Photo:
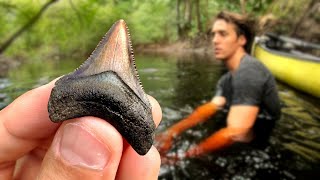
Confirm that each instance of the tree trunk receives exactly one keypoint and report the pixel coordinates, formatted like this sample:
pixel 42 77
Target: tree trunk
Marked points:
pixel 207 14
pixel 186 26
pixel 199 25
pixel 301 20
pixel 34 19
pixel 243 6
pixel 178 18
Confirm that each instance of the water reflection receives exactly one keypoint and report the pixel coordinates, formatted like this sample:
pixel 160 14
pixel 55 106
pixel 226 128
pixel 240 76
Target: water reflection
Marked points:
pixel 180 85
pixel 301 125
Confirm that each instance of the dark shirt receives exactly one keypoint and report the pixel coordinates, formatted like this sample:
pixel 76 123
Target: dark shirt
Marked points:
pixel 253 84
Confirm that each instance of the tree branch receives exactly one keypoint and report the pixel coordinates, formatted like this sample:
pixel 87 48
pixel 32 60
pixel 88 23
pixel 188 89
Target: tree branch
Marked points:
pixel 34 19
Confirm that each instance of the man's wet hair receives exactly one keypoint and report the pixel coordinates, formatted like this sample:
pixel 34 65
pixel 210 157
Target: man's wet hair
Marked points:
pixel 244 26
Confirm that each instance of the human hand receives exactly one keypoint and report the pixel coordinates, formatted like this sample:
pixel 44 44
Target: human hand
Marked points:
pixel 192 152
pixel 32 147
pixel 164 141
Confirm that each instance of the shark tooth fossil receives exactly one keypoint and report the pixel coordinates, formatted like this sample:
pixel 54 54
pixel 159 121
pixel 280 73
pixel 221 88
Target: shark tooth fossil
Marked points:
pixel 107 86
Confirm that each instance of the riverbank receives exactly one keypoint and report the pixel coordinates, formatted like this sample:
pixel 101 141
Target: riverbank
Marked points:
pixel 7 63
pixel 177 49
pixel 180 48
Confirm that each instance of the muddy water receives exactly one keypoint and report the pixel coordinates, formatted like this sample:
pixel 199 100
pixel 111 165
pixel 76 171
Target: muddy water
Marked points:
pixel 180 85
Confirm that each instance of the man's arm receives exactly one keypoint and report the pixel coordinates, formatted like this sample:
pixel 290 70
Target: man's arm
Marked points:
pixel 200 114
pixel 239 123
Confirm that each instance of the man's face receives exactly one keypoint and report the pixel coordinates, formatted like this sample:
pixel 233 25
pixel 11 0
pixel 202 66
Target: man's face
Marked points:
pixel 225 40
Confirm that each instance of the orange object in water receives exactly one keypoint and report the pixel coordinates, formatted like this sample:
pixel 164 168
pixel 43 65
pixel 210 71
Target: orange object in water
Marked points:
pixel 202 113
pixel 217 141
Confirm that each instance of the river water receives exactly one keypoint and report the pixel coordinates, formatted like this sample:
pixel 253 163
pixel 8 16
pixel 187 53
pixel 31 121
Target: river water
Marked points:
pixel 180 85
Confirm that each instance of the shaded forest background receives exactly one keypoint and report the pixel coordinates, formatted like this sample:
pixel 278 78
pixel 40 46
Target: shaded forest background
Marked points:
pixel 55 29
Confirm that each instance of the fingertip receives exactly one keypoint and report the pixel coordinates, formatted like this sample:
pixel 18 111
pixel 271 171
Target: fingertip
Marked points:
pixel 156 110
pixel 134 166
pixel 155 155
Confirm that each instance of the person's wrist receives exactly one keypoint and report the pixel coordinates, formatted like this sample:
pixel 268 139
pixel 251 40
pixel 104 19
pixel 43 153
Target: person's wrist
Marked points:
pixel 172 133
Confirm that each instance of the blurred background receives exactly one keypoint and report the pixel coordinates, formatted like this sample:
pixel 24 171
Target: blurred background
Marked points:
pixel 43 39
pixel 31 30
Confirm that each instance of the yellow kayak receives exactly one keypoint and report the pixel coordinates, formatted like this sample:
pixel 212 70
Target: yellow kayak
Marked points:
pixel 299 70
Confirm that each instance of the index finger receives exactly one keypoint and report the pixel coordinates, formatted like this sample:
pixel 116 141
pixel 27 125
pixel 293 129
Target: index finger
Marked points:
pixel 27 116
pixel 24 122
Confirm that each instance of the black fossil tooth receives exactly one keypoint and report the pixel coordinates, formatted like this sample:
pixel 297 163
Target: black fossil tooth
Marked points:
pixel 107 86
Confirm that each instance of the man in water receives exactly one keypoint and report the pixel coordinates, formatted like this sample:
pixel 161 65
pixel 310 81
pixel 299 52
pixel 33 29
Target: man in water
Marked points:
pixel 247 90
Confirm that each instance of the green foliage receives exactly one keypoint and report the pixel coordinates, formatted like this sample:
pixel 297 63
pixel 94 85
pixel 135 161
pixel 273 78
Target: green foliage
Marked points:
pixel 258 7
pixel 297 18
pixel 151 21
pixel 72 28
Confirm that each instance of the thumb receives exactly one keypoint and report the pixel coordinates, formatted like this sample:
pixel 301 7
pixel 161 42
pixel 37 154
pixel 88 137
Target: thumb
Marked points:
pixel 87 148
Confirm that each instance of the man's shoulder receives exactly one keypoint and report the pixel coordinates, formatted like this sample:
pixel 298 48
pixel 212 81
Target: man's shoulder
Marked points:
pixel 251 72
pixel 250 60
pixel 225 77
pixel 254 65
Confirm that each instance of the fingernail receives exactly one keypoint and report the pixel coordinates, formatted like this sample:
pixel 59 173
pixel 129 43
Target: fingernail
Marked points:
pixel 80 147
